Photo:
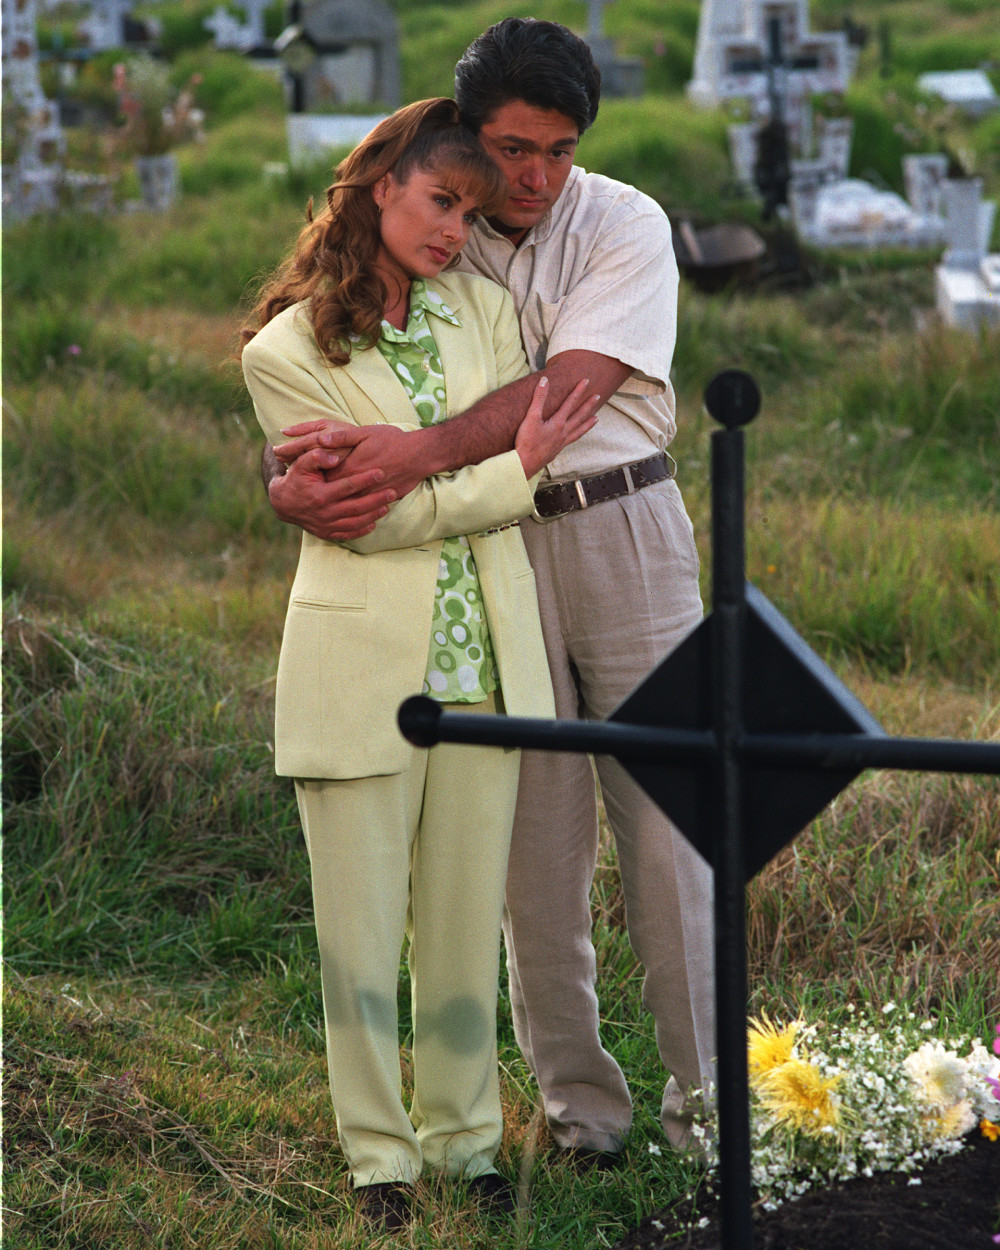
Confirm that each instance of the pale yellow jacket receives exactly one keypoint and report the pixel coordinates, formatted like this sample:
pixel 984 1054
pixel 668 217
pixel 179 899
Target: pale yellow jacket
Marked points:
pixel 357 632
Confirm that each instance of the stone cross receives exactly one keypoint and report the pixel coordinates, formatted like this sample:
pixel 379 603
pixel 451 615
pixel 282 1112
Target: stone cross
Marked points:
pixel 230 32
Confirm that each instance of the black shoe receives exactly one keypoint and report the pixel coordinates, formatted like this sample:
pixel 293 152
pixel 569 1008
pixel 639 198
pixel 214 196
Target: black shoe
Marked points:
pixel 493 1195
pixel 385 1206
pixel 582 1160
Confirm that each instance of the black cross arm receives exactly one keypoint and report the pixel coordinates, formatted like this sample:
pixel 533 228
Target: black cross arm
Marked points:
pixel 424 723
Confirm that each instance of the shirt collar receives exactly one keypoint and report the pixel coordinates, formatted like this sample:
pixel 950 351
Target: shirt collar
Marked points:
pixel 541 230
pixel 423 300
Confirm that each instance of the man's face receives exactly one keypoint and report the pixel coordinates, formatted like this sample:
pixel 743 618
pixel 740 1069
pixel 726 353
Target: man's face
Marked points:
pixel 534 147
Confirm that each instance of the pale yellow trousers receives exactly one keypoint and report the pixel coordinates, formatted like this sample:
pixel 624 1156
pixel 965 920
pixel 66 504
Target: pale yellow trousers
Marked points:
pixel 423 854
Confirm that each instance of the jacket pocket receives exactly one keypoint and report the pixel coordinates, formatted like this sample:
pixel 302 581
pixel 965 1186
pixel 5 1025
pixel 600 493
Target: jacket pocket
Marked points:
pixel 332 585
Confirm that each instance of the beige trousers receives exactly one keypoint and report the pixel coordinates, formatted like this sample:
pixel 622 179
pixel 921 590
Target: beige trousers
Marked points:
pixel 618 589
pixel 422 853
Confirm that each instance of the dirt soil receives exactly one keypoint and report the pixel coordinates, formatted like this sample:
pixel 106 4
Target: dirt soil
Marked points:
pixel 955 1207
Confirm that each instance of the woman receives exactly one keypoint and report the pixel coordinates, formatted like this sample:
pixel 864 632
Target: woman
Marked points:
pixel 361 325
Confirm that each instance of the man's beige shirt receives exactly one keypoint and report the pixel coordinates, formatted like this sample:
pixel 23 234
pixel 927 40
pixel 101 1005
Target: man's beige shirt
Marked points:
pixel 597 273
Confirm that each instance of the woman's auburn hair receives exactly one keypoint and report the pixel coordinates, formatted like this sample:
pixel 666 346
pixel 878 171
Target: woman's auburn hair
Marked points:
pixel 332 266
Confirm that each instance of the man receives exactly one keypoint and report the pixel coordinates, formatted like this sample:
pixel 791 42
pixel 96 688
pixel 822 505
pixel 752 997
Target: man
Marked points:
pixel 591 269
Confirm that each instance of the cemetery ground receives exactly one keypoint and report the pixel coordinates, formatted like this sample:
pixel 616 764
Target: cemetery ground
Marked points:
pixel 165 1079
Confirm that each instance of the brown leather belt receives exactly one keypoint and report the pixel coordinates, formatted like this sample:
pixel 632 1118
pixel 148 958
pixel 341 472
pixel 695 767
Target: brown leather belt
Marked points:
pixel 556 499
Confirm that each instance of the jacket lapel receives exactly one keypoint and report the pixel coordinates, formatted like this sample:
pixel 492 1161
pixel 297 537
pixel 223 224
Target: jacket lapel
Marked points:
pixel 370 372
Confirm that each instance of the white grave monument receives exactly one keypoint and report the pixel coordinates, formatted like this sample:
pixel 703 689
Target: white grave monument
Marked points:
pixel 104 27
pixel 32 178
pixel 733 49
pixel 338 52
pixel 967 282
pixel 232 34
pixel 967 89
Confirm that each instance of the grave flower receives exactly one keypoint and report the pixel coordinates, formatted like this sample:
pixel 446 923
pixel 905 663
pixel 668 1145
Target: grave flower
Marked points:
pixel 797 1093
pixel 156 116
pixel 830 1102
pixel 767 1046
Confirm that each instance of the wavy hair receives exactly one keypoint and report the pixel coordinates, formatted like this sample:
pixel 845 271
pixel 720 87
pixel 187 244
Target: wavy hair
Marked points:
pixel 332 266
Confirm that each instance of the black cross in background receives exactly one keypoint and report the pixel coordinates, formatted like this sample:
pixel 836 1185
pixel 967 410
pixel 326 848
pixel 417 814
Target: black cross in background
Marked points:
pixel 742 735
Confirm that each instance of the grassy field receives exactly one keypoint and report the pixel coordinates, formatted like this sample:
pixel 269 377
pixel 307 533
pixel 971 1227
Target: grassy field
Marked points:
pixel 165 1081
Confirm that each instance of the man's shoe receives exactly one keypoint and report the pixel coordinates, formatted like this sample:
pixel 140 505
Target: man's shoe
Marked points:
pixel 582 1160
pixel 493 1194
pixel 384 1206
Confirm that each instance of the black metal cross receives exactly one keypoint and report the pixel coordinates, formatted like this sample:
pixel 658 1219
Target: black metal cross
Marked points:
pixel 742 735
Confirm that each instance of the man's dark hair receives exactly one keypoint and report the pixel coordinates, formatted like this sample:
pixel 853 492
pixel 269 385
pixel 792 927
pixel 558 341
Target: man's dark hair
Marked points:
pixel 521 58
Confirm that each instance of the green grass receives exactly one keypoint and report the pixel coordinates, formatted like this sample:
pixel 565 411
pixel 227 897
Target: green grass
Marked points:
pixel 165 1078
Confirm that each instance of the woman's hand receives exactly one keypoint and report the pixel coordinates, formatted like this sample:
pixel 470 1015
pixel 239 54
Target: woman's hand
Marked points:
pixel 538 441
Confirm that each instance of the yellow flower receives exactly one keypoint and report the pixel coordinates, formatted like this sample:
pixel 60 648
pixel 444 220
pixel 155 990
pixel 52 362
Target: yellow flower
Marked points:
pixel 798 1093
pixel 989 1130
pixel 768 1046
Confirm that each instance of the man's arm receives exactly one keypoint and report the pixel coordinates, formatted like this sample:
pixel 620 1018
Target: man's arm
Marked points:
pixel 407 458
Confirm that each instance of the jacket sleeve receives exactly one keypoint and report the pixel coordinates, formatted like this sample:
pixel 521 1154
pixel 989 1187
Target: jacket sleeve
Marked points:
pixel 476 498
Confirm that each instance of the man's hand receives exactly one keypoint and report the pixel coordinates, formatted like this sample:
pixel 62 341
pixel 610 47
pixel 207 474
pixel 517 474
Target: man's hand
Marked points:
pixel 398 454
pixel 337 511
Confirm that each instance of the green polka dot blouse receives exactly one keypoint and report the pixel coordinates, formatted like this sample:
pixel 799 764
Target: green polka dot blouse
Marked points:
pixel 461 667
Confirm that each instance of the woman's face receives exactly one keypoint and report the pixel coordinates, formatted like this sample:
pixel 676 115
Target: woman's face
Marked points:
pixel 423 223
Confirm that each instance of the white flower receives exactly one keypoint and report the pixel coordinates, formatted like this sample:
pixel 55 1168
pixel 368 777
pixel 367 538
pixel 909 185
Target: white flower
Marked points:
pixel 938 1075
pixel 653 1148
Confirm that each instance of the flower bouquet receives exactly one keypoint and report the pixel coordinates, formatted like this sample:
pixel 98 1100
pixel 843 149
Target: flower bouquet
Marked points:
pixel 828 1103
pixel 156 119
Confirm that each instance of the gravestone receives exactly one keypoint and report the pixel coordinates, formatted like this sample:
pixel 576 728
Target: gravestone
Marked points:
pixel 967 281
pixel 967 89
pixel 732 53
pixel 341 53
pixel 104 27
pixel 620 76
pixel 762 55
pixel 338 56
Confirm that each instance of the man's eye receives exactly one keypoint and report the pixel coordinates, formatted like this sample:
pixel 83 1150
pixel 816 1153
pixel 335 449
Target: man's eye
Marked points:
pixel 471 218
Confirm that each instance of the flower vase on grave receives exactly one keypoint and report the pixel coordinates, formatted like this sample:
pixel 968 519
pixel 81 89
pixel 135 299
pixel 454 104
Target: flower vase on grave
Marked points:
pixel 158 180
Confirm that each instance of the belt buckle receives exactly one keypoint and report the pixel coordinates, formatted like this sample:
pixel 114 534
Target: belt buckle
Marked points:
pixel 545 520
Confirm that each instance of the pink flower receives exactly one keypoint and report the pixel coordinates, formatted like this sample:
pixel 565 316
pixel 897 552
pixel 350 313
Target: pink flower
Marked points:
pixel 74 349
pixel 996 1042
